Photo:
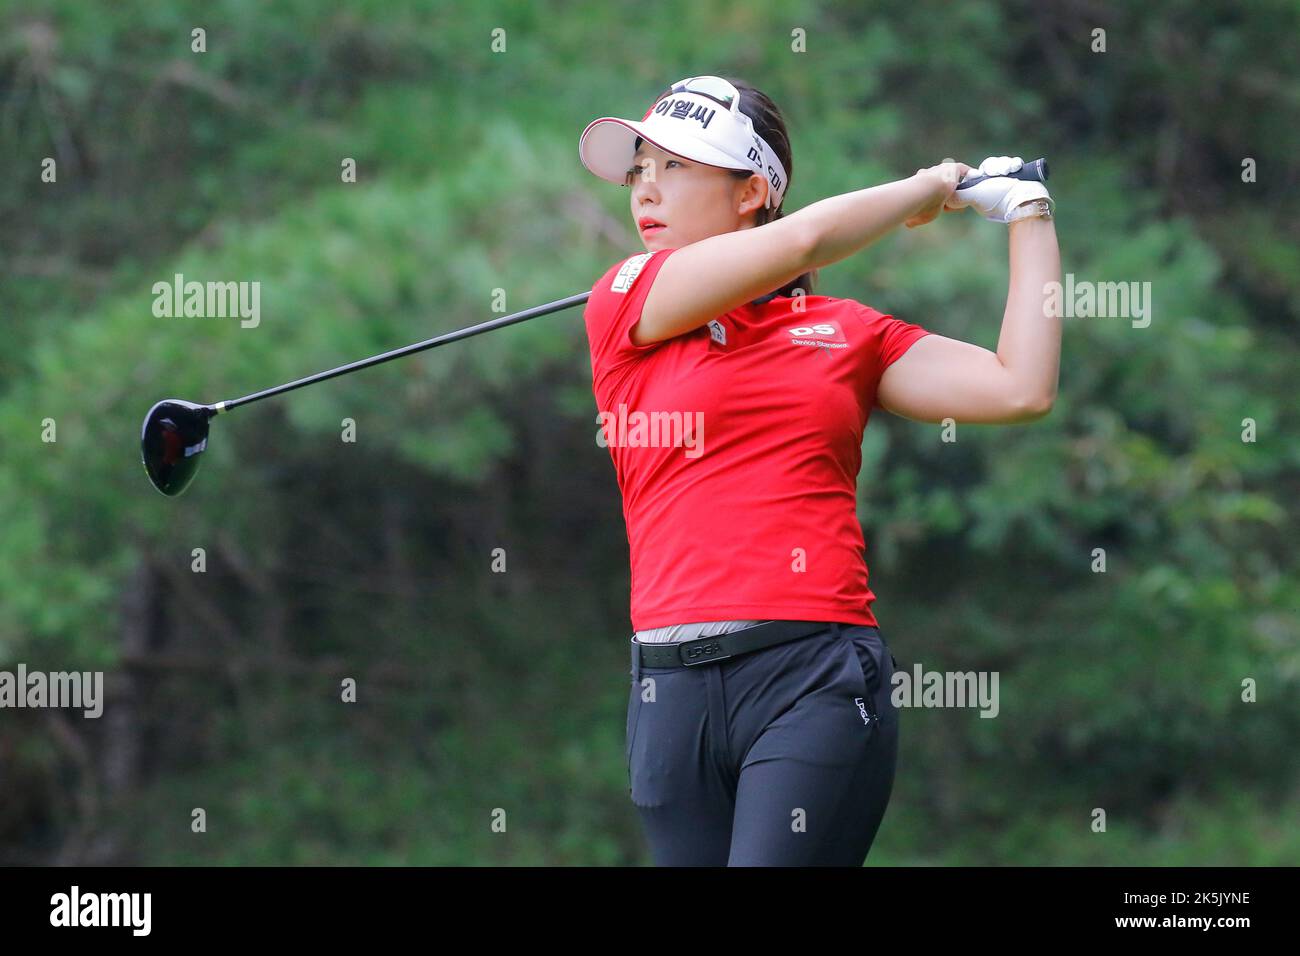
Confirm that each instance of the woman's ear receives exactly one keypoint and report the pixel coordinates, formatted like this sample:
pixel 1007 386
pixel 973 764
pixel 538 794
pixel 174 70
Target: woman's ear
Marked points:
pixel 754 194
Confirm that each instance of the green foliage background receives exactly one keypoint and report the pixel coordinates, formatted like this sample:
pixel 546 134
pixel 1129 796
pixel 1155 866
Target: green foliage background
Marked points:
pixel 371 560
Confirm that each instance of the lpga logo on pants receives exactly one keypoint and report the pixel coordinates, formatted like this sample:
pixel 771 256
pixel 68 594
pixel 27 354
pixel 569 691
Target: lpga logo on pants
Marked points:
pixel 651 430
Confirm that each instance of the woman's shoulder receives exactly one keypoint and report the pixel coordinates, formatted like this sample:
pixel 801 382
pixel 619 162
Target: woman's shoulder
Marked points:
pixel 821 303
pixel 620 276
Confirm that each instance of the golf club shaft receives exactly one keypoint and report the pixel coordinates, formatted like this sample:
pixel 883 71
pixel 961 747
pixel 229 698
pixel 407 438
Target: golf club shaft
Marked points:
pixel 556 306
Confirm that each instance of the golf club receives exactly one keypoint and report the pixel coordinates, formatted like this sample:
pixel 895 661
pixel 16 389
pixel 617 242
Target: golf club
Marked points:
pixel 175 432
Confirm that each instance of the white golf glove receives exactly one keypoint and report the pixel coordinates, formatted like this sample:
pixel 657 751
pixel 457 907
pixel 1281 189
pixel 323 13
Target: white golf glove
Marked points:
pixel 995 198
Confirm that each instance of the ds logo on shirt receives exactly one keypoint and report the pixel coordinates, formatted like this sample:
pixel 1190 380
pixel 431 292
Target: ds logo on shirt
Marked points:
pixel 817 335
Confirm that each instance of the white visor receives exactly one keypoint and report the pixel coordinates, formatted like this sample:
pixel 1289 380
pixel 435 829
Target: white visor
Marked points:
pixel 690 125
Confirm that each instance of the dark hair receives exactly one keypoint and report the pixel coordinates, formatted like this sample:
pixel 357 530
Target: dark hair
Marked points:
pixel 769 124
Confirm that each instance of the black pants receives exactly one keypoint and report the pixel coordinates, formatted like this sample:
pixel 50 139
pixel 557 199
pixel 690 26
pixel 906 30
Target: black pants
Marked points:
pixel 780 757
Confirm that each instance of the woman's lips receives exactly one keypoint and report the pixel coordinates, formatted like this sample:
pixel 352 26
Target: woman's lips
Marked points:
pixel 651 228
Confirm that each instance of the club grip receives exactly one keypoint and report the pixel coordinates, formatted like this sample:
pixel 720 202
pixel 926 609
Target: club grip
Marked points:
pixel 1035 171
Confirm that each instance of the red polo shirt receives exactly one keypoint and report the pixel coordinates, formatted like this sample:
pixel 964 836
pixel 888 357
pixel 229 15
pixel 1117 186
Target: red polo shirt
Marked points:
pixel 737 448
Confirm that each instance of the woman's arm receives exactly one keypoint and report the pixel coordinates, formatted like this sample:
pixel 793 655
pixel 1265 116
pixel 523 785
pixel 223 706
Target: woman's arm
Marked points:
pixel 940 378
pixel 747 263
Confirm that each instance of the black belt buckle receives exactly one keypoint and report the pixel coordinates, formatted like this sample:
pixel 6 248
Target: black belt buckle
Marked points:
pixel 702 650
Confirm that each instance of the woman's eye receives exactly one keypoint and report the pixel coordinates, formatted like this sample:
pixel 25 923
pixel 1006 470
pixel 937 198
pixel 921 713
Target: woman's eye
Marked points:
pixel 636 170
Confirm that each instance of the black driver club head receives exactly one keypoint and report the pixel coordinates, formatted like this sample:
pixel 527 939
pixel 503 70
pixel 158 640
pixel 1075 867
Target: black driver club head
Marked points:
pixel 174 434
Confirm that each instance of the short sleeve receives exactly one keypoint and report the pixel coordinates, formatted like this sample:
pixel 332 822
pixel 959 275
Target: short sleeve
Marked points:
pixel 891 339
pixel 896 338
pixel 615 306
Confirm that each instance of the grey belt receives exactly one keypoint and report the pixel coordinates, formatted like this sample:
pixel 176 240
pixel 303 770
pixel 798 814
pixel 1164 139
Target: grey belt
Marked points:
pixel 702 650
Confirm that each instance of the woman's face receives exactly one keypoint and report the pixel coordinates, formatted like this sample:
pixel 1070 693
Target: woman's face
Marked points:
pixel 692 200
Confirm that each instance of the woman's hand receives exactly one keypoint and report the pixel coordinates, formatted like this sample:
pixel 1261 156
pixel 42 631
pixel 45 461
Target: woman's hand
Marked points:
pixel 998 195
pixel 944 179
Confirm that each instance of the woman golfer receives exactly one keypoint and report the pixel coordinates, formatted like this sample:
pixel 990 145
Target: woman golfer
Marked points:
pixel 760 729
